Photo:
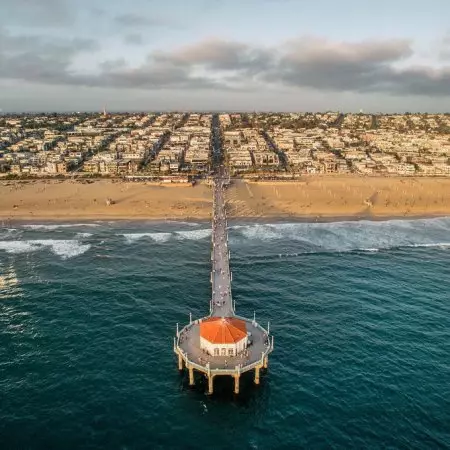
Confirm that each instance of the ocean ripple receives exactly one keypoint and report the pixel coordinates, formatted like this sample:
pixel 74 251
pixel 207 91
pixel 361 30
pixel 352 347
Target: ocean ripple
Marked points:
pixel 359 311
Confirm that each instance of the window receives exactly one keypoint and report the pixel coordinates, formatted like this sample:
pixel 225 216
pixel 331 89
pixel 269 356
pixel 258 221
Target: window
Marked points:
pixel 216 352
pixel 224 352
pixel 230 352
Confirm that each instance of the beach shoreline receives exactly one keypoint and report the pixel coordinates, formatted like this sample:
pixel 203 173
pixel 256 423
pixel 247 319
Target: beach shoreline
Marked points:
pixel 315 199
pixel 6 223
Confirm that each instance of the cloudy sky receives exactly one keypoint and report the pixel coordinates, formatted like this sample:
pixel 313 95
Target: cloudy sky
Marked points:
pixel 289 55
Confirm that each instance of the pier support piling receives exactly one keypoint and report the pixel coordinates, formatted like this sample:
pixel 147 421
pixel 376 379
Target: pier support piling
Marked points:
pixel 210 384
pixel 257 374
pixel 236 383
pixel 191 376
pixel 266 362
pixel 180 362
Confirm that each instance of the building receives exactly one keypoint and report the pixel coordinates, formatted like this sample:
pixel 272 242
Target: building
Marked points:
pixel 223 336
pixel 232 138
pixel 91 166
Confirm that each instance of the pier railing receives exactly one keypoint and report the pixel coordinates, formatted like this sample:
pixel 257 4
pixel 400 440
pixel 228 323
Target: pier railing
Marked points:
pixel 225 255
pixel 228 371
pixel 219 371
pixel 198 321
pixel 257 355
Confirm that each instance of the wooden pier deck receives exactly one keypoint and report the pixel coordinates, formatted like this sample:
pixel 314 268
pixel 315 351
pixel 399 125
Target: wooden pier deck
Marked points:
pixel 187 340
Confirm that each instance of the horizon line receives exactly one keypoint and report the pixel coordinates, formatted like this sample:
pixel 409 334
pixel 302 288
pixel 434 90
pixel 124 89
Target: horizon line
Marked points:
pixel 211 111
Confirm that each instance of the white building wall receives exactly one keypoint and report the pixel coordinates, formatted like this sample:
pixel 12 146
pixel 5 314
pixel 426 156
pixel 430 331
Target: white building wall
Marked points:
pixel 209 347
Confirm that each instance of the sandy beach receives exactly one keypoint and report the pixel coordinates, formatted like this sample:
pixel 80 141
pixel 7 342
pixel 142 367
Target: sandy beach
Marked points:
pixel 342 196
pixel 71 199
pixel 314 197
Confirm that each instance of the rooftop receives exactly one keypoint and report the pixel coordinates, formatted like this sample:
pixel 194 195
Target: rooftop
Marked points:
pixel 223 330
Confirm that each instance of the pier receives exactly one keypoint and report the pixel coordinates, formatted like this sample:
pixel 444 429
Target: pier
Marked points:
pixel 222 343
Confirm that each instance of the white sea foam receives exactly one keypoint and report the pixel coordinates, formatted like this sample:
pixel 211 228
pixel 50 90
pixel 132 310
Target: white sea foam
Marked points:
pixel 261 232
pixel 133 237
pixel 63 248
pixel 160 237
pixel 194 235
pixel 56 226
pixel 7 232
pixel 18 246
pixel 437 244
pixel 83 235
pixel 368 236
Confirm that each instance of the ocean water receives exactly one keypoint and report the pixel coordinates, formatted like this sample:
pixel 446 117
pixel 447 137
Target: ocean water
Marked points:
pixel 360 312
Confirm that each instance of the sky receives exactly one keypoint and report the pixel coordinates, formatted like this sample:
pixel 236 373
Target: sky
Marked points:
pixel 238 55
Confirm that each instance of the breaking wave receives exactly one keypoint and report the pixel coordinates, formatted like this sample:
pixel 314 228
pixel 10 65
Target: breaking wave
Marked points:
pixel 282 238
pixel 62 248
pixel 366 236
pixel 161 237
pixel 193 235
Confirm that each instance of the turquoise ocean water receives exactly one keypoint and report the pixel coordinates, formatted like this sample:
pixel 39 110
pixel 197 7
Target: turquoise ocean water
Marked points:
pixel 360 312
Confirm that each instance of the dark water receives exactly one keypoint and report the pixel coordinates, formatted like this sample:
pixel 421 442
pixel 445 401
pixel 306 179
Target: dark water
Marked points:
pixel 360 312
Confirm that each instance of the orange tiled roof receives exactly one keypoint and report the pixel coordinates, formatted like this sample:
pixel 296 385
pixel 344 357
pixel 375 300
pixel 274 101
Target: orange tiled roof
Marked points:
pixel 223 330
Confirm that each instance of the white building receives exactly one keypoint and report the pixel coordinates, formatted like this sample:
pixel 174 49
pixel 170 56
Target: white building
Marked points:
pixel 223 336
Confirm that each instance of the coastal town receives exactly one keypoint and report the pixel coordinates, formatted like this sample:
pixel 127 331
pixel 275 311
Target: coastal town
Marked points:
pixel 177 146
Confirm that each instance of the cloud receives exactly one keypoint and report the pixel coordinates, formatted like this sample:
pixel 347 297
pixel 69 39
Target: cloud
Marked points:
pixel 215 54
pixel 133 39
pixel 340 66
pixel 44 60
pixel 313 49
pixel 36 13
pixel 444 47
pixel 40 59
pixel 97 12
pixel 372 66
pixel 112 64
pixel 157 77
pixel 364 67
pixel 130 20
